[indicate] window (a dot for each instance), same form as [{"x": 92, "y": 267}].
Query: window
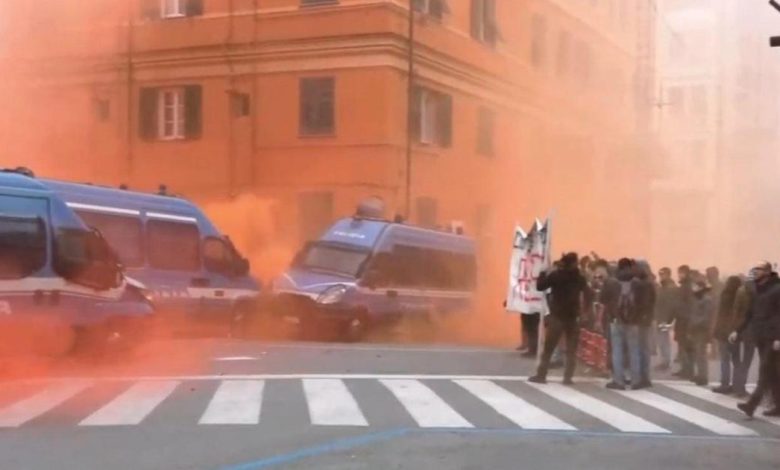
[
  {"x": 23, "y": 245},
  {"x": 418, "y": 267},
  {"x": 103, "y": 109},
  {"x": 432, "y": 117},
  {"x": 217, "y": 256},
  {"x": 427, "y": 212},
  {"x": 317, "y": 107},
  {"x": 484, "y": 26},
  {"x": 485, "y": 132},
  {"x": 564, "y": 53},
  {"x": 538, "y": 39},
  {"x": 170, "y": 113},
  {"x": 173, "y": 246},
  {"x": 333, "y": 258},
  {"x": 435, "y": 8},
  {"x": 241, "y": 104},
  {"x": 156, "y": 9},
  {"x": 123, "y": 234}
]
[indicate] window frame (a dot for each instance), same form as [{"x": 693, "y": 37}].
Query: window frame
[
  {"x": 150, "y": 247},
  {"x": 84, "y": 215},
  {"x": 319, "y": 96},
  {"x": 181, "y": 9},
  {"x": 178, "y": 119}
]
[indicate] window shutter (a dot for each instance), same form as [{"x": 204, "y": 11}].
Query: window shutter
[
  {"x": 194, "y": 7},
  {"x": 416, "y": 113},
  {"x": 147, "y": 113},
  {"x": 192, "y": 111},
  {"x": 476, "y": 19},
  {"x": 444, "y": 120},
  {"x": 150, "y": 9}
]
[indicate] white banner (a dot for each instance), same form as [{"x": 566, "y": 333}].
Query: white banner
[{"x": 530, "y": 256}]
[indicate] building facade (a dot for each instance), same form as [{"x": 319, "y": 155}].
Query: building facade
[
  {"x": 515, "y": 110},
  {"x": 718, "y": 119}
]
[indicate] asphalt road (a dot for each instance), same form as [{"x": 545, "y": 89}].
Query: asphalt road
[{"x": 246, "y": 405}]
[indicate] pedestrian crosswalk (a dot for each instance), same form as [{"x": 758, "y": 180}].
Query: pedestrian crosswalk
[{"x": 349, "y": 401}]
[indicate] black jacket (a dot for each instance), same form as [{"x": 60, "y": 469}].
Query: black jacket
[
  {"x": 667, "y": 302},
  {"x": 763, "y": 317},
  {"x": 684, "y": 308},
  {"x": 566, "y": 287},
  {"x": 644, "y": 298}
]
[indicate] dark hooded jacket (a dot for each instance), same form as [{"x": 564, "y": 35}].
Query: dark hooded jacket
[
  {"x": 667, "y": 302},
  {"x": 566, "y": 285},
  {"x": 702, "y": 313},
  {"x": 763, "y": 317},
  {"x": 643, "y": 295}
]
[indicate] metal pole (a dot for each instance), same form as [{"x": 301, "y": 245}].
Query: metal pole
[{"x": 409, "y": 111}]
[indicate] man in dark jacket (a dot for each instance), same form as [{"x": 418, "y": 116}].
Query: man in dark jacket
[
  {"x": 667, "y": 304},
  {"x": 646, "y": 299},
  {"x": 684, "y": 346},
  {"x": 567, "y": 288},
  {"x": 699, "y": 326},
  {"x": 764, "y": 321}
]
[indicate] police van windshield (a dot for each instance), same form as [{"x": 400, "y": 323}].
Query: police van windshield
[
  {"x": 22, "y": 246},
  {"x": 337, "y": 259}
]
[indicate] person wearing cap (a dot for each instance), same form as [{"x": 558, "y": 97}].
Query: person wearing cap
[{"x": 763, "y": 320}]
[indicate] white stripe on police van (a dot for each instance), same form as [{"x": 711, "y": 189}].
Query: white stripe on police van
[
  {"x": 212, "y": 293},
  {"x": 331, "y": 404},
  {"x": 107, "y": 209},
  {"x": 235, "y": 402},
  {"x": 688, "y": 413},
  {"x": 425, "y": 407},
  {"x": 513, "y": 407},
  {"x": 600, "y": 410},
  {"x": 177, "y": 218},
  {"x": 133, "y": 405},
  {"x": 46, "y": 400},
  {"x": 46, "y": 284}
]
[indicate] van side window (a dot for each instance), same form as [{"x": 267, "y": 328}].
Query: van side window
[
  {"x": 173, "y": 245},
  {"x": 123, "y": 233},
  {"x": 217, "y": 257},
  {"x": 22, "y": 246},
  {"x": 426, "y": 268}
]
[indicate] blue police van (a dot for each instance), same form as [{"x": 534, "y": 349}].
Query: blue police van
[
  {"x": 61, "y": 285},
  {"x": 365, "y": 272},
  {"x": 191, "y": 271}
]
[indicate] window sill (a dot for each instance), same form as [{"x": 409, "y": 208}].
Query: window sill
[
  {"x": 173, "y": 16},
  {"x": 325, "y": 135}
]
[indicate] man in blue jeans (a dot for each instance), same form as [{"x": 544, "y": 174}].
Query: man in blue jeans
[
  {"x": 668, "y": 301},
  {"x": 622, "y": 297}
]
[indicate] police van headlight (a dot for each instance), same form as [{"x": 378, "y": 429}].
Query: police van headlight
[{"x": 332, "y": 295}]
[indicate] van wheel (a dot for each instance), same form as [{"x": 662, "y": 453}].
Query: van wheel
[
  {"x": 55, "y": 341},
  {"x": 355, "y": 329}
]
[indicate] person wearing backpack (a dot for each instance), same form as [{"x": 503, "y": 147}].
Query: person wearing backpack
[{"x": 620, "y": 297}]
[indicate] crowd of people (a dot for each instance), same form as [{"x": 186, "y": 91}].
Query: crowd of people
[{"x": 615, "y": 316}]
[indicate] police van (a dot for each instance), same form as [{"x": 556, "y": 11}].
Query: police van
[
  {"x": 191, "y": 271},
  {"x": 60, "y": 283},
  {"x": 365, "y": 272}
]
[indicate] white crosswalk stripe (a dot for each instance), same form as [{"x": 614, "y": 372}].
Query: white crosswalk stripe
[
  {"x": 599, "y": 409},
  {"x": 235, "y": 402},
  {"x": 682, "y": 411},
  {"x": 424, "y": 405},
  {"x": 46, "y": 400},
  {"x": 724, "y": 401},
  {"x": 331, "y": 404},
  {"x": 513, "y": 407},
  {"x": 133, "y": 405},
  {"x": 428, "y": 402}
]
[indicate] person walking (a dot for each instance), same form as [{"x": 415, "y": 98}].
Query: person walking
[
  {"x": 684, "y": 346},
  {"x": 567, "y": 288},
  {"x": 745, "y": 344},
  {"x": 645, "y": 304},
  {"x": 620, "y": 300},
  {"x": 724, "y": 324},
  {"x": 667, "y": 304},
  {"x": 699, "y": 326},
  {"x": 764, "y": 321}
]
